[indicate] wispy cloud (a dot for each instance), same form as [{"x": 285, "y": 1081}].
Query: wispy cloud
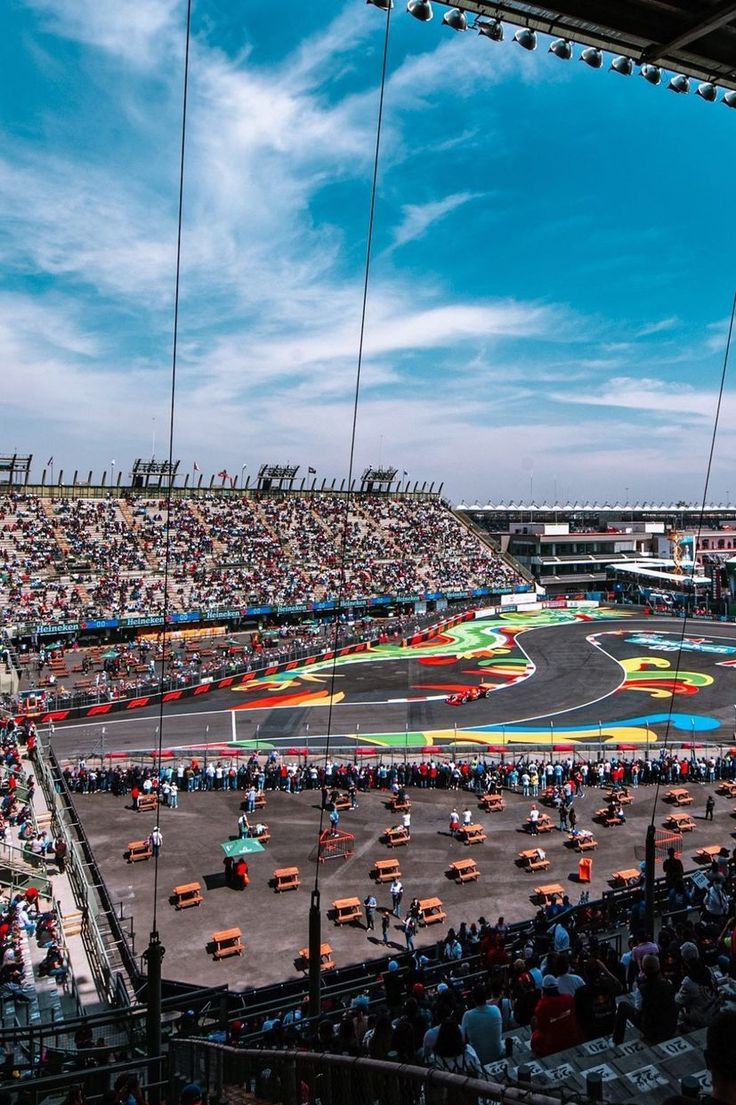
[
  {"x": 660, "y": 327},
  {"x": 417, "y": 218}
]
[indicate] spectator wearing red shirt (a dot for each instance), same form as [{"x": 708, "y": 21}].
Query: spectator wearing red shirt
[{"x": 555, "y": 1023}]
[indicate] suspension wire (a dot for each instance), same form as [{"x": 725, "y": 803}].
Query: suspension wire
[
  {"x": 353, "y": 432},
  {"x": 172, "y": 408},
  {"x": 696, "y": 543}
]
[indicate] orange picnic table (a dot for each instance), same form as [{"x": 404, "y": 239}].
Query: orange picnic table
[
  {"x": 326, "y": 962},
  {"x": 386, "y": 870},
  {"x": 533, "y": 860},
  {"x": 708, "y": 852},
  {"x": 286, "y": 878},
  {"x": 347, "y": 910},
  {"x": 432, "y": 912},
  {"x": 472, "y": 834},
  {"x": 464, "y": 870},
  {"x": 547, "y": 893},
  {"x": 629, "y": 876},
  {"x": 681, "y": 822},
  {"x": 583, "y": 841},
  {"x": 492, "y": 803},
  {"x": 679, "y": 796},
  {"x": 396, "y": 836}
]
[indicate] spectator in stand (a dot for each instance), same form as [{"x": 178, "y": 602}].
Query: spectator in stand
[
  {"x": 555, "y": 1024},
  {"x": 654, "y": 1011},
  {"x": 482, "y": 1027}
]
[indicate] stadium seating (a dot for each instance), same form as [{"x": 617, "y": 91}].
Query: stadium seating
[{"x": 71, "y": 558}]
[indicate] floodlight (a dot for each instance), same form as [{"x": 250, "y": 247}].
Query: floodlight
[
  {"x": 492, "y": 30},
  {"x": 729, "y": 99},
  {"x": 592, "y": 57},
  {"x": 561, "y": 48},
  {"x": 420, "y": 9},
  {"x": 707, "y": 92},
  {"x": 680, "y": 84},
  {"x": 384, "y": 5},
  {"x": 623, "y": 65},
  {"x": 455, "y": 19},
  {"x": 527, "y": 38},
  {"x": 652, "y": 74}
]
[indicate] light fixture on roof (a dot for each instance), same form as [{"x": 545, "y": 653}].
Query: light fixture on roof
[
  {"x": 652, "y": 74},
  {"x": 707, "y": 92},
  {"x": 455, "y": 19},
  {"x": 384, "y": 5},
  {"x": 729, "y": 99},
  {"x": 493, "y": 30},
  {"x": 420, "y": 9},
  {"x": 623, "y": 65},
  {"x": 680, "y": 84},
  {"x": 527, "y": 38},
  {"x": 561, "y": 48},
  {"x": 592, "y": 57}
]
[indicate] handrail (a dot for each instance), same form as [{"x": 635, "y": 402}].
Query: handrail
[{"x": 212, "y": 1073}]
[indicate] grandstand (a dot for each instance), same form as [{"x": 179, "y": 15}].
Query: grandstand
[{"x": 100, "y": 560}]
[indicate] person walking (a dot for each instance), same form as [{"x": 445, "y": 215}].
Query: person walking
[
  {"x": 410, "y": 929},
  {"x": 370, "y": 904},
  {"x": 156, "y": 840},
  {"x": 710, "y": 805},
  {"x": 397, "y": 893},
  {"x": 243, "y": 826},
  {"x": 174, "y": 796},
  {"x": 385, "y": 926}
]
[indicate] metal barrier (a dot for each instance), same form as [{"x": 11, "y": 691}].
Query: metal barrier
[
  {"x": 293, "y": 1077},
  {"x": 53, "y": 1081}
]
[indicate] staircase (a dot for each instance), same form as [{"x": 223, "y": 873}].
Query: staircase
[
  {"x": 132, "y": 526},
  {"x": 59, "y": 534}
]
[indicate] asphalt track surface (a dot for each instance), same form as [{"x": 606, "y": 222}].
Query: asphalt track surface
[{"x": 574, "y": 681}]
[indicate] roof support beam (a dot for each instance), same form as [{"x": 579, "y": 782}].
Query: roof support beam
[{"x": 717, "y": 19}]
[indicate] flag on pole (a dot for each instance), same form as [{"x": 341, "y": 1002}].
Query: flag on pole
[
  {"x": 312, "y": 471},
  {"x": 224, "y": 475},
  {"x": 196, "y": 467},
  {"x": 49, "y": 462}
]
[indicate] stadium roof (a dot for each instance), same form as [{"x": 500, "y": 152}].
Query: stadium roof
[{"x": 695, "y": 38}]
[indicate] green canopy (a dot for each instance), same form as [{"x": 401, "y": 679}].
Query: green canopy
[
  {"x": 243, "y": 847},
  {"x": 111, "y": 655}
]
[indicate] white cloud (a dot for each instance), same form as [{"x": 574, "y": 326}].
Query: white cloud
[
  {"x": 660, "y": 327},
  {"x": 419, "y": 217}
]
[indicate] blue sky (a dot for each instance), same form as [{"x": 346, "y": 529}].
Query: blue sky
[{"x": 552, "y": 259}]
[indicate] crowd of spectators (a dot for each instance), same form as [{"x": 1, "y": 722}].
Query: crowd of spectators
[
  {"x": 77, "y": 558},
  {"x": 479, "y": 775}
]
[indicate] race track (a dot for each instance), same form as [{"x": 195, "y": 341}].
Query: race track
[{"x": 554, "y": 676}]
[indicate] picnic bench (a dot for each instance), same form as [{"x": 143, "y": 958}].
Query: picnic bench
[
  {"x": 678, "y": 796},
  {"x": 347, "y": 911},
  {"x": 531, "y": 860},
  {"x": 708, "y": 852},
  {"x": 492, "y": 803},
  {"x": 464, "y": 870},
  {"x": 262, "y": 837},
  {"x": 227, "y": 942},
  {"x": 396, "y": 836},
  {"x": 342, "y": 802},
  {"x": 386, "y": 870},
  {"x": 583, "y": 841},
  {"x": 189, "y": 893},
  {"x": 286, "y": 878},
  {"x": 544, "y": 824},
  {"x": 620, "y": 795},
  {"x": 147, "y": 802},
  {"x": 139, "y": 849},
  {"x": 398, "y": 805},
  {"x": 326, "y": 962},
  {"x": 548, "y": 795},
  {"x": 432, "y": 912},
  {"x": 260, "y": 800},
  {"x": 680, "y": 822},
  {"x": 547, "y": 893},
  {"x": 607, "y": 817},
  {"x": 471, "y": 834},
  {"x": 726, "y": 788},
  {"x": 630, "y": 876}
]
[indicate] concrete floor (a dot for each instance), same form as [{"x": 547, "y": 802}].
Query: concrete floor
[{"x": 274, "y": 925}]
